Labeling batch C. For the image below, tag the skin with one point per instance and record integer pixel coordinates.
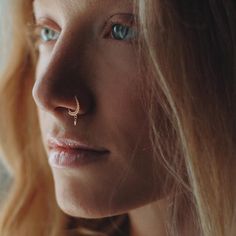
(102, 72)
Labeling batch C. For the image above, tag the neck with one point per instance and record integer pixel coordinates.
(149, 220)
(153, 219)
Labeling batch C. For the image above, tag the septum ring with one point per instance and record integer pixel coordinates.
(76, 112)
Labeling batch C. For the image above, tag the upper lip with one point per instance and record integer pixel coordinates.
(68, 143)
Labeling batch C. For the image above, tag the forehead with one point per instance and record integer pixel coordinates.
(82, 4)
(68, 8)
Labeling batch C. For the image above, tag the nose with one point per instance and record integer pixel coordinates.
(55, 89)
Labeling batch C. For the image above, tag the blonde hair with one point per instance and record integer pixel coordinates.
(188, 50)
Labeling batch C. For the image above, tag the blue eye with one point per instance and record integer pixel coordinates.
(123, 32)
(47, 34)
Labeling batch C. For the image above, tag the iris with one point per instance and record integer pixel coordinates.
(48, 34)
(122, 32)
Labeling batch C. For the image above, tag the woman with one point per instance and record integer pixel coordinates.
(118, 117)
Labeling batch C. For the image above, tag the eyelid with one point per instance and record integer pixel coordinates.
(46, 22)
(122, 17)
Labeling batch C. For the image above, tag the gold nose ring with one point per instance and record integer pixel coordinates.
(76, 112)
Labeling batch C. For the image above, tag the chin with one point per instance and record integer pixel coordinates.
(96, 208)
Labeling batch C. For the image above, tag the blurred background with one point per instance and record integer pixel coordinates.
(5, 180)
(4, 174)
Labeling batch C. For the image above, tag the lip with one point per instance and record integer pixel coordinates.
(68, 143)
(68, 153)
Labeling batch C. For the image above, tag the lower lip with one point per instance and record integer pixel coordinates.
(73, 158)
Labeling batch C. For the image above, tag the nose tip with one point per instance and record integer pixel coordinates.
(40, 101)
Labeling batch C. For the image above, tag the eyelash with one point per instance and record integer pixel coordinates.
(109, 26)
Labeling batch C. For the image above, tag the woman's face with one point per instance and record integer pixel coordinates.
(87, 49)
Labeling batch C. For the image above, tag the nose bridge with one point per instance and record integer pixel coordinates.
(60, 79)
(64, 58)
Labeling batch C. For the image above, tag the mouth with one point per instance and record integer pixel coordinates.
(68, 153)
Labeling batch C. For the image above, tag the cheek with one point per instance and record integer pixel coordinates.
(120, 57)
(118, 83)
